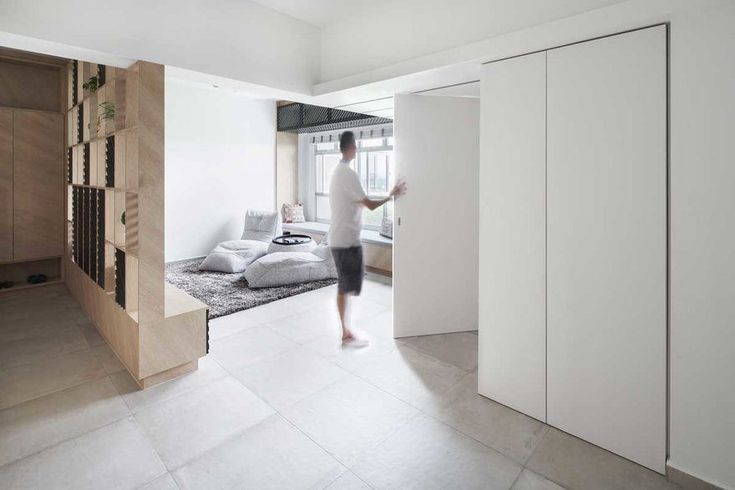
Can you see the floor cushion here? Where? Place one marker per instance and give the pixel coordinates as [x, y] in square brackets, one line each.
[261, 225]
[234, 255]
[281, 268]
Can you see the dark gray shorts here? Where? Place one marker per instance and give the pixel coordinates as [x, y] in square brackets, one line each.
[350, 269]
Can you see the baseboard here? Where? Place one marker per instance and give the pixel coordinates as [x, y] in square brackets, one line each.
[687, 481]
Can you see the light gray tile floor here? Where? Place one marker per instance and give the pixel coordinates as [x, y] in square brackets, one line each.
[278, 403]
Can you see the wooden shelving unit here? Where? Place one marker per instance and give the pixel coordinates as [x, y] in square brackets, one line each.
[115, 263]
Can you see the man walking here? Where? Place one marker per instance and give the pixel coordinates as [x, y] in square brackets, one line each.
[346, 200]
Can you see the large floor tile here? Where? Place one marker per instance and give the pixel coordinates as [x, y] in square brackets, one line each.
[117, 455]
[37, 424]
[380, 325]
[163, 482]
[577, 464]
[330, 347]
[273, 311]
[23, 383]
[39, 348]
[249, 347]
[323, 319]
[411, 376]
[289, 377]
[349, 417]
[273, 454]
[528, 480]
[348, 481]
[209, 372]
[109, 359]
[225, 326]
[185, 427]
[426, 454]
[308, 325]
[458, 349]
[495, 425]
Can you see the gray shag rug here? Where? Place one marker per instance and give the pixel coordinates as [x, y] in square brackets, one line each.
[227, 293]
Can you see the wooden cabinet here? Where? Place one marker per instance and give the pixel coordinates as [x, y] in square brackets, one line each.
[6, 185]
[31, 185]
[38, 172]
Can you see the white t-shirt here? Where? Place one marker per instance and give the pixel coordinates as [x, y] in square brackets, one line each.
[345, 194]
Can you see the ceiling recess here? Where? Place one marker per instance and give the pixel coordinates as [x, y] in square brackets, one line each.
[305, 118]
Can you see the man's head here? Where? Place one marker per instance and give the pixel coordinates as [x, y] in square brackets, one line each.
[347, 145]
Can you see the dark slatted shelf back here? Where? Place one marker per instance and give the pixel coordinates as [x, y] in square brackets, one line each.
[101, 75]
[74, 78]
[80, 123]
[120, 277]
[110, 161]
[75, 224]
[86, 164]
[101, 238]
[85, 230]
[69, 165]
[93, 234]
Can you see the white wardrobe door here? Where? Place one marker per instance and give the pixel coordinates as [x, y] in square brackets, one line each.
[512, 288]
[437, 151]
[606, 271]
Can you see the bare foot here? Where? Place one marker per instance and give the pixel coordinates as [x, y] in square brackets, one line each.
[351, 340]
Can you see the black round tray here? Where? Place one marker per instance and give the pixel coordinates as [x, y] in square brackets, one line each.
[291, 239]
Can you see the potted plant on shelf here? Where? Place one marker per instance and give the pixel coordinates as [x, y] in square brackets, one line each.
[108, 113]
[92, 84]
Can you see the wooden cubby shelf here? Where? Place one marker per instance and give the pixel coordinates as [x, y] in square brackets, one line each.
[115, 262]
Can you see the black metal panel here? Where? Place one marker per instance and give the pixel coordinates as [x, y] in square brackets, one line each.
[305, 118]
[110, 161]
[86, 164]
[120, 277]
[74, 78]
[80, 123]
[101, 237]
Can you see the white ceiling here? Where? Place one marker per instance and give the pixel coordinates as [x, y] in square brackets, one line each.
[320, 13]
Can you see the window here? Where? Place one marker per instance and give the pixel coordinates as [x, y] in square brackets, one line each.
[374, 165]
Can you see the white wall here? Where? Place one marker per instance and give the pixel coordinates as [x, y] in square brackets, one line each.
[233, 38]
[399, 31]
[702, 438]
[220, 161]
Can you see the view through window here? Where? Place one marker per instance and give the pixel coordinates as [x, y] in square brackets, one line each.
[374, 164]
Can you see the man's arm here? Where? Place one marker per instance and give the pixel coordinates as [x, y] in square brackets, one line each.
[398, 190]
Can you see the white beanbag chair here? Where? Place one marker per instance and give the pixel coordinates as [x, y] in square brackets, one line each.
[281, 268]
[234, 256]
[263, 226]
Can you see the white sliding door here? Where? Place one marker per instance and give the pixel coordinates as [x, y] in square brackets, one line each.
[512, 357]
[435, 238]
[606, 262]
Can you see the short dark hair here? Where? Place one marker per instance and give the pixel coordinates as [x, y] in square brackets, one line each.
[346, 139]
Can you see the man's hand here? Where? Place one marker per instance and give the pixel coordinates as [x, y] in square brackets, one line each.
[399, 189]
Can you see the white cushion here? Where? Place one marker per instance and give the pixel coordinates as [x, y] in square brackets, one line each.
[280, 268]
[261, 225]
[233, 256]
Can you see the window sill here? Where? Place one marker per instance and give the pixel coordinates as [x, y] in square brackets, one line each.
[366, 236]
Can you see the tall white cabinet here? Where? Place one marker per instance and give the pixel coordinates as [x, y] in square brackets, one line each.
[573, 248]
